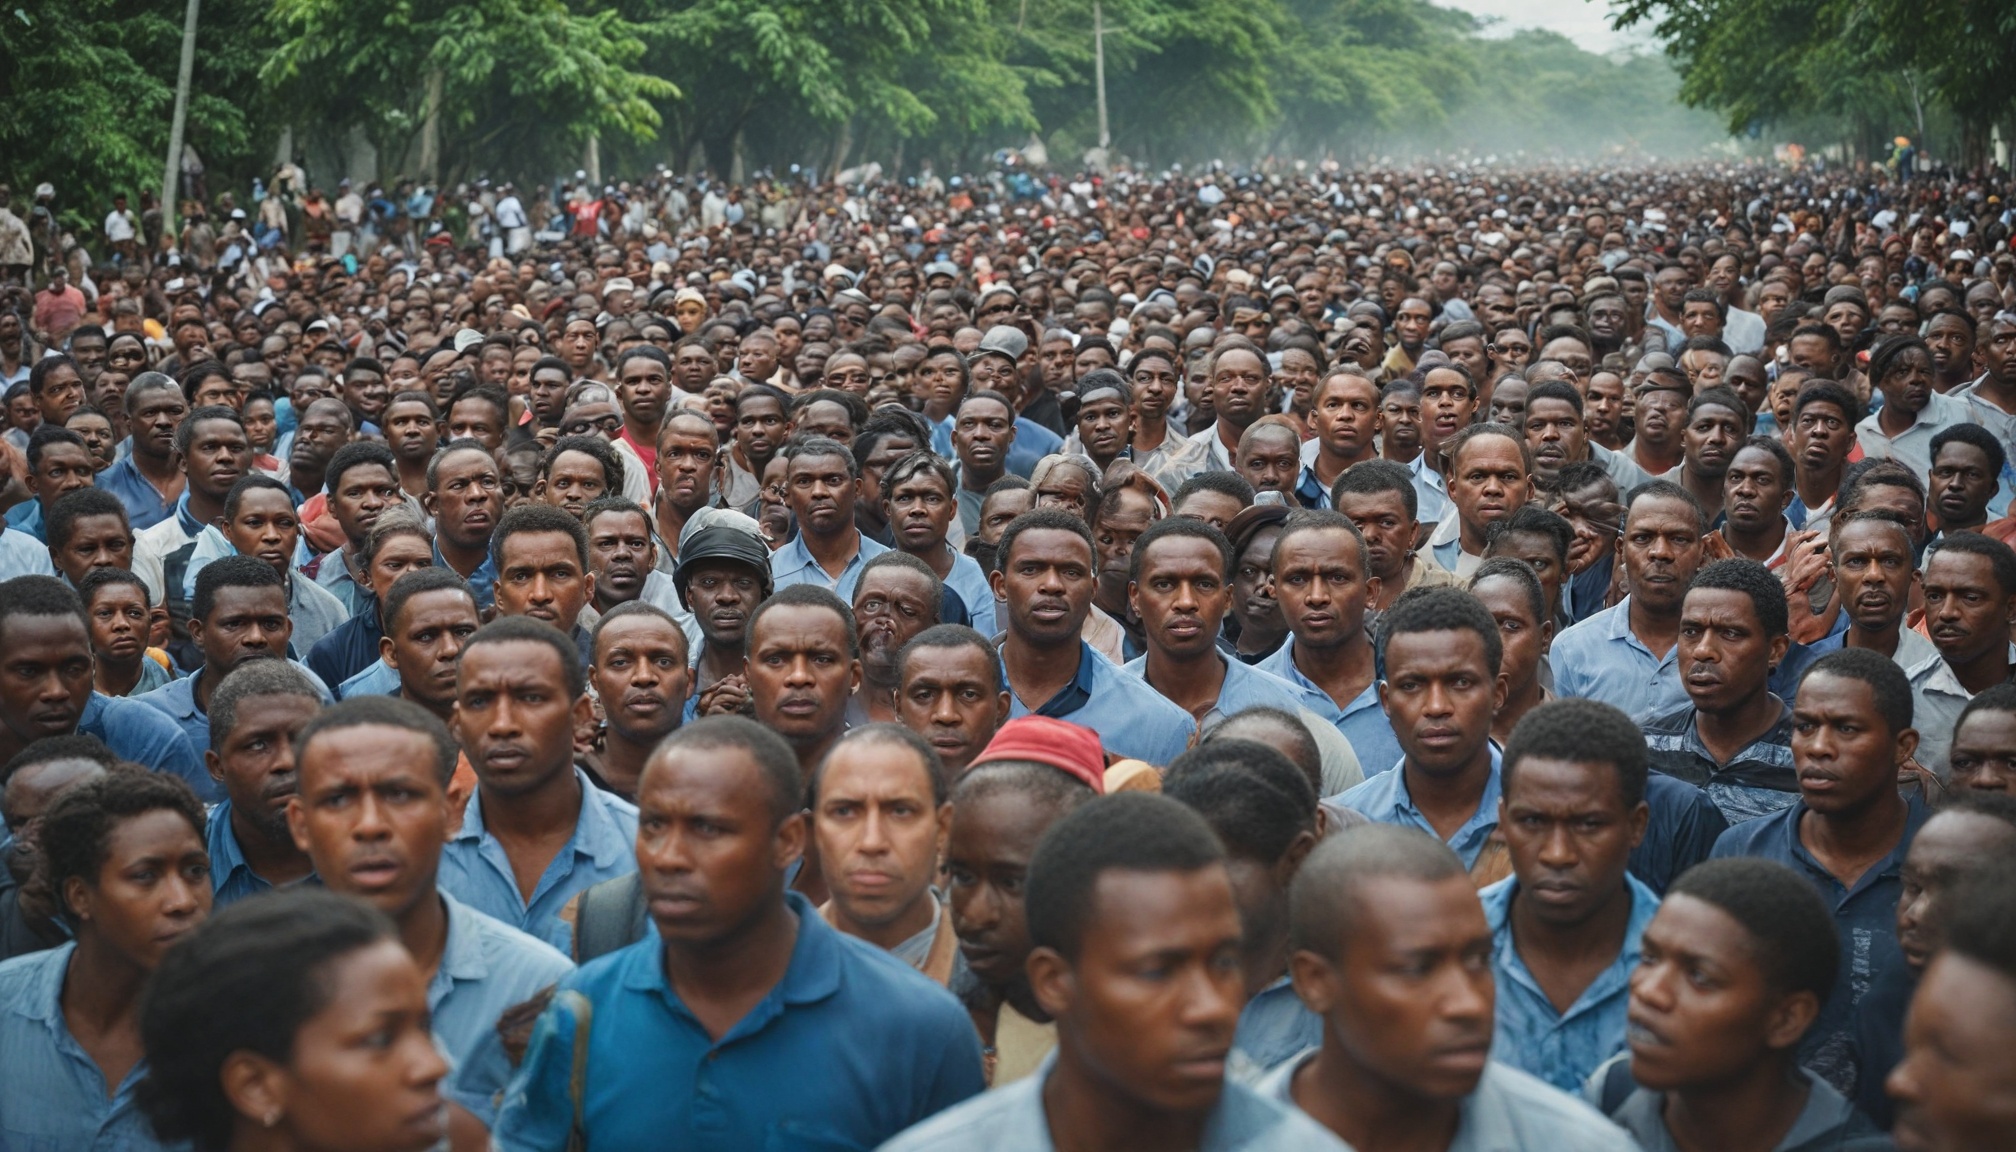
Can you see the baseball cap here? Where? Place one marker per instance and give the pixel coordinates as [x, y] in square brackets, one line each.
[1003, 341]
[1070, 748]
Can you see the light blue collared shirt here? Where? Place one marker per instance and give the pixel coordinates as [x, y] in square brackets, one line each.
[144, 505]
[1363, 722]
[177, 701]
[1132, 720]
[231, 877]
[482, 582]
[53, 1097]
[1385, 799]
[487, 967]
[475, 868]
[971, 584]
[1013, 1119]
[1246, 686]
[26, 517]
[23, 555]
[1275, 1026]
[1562, 1048]
[377, 679]
[1433, 498]
[793, 564]
[1602, 659]
[142, 734]
[1508, 1111]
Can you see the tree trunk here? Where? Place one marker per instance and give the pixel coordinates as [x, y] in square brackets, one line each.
[430, 127]
[841, 148]
[735, 165]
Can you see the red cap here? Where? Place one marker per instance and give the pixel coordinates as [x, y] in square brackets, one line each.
[1065, 746]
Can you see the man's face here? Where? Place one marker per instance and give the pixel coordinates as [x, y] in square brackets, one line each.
[1182, 596]
[984, 431]
[1536, 549]
[1446, 407]
[1957, 1079]
[1951, 339]
[1949, 847]
[1700, 318]
[891, 606]
[1873, 570]
[1998, 350]
[1411, 995]
[759, 428]
[425, 644]
[540, 574]
[1661, 544]
[1439, 693]
[120, 622]
[1983, 755]
[465, 499]
[1701, 1010]
[920, 511]
[1410, 324]
[643, 385]
[1554, 434]
[1662, 415]
[265, 526]
[1671, 286]
[371, 813]
[1726, 657]
[948, 695]
[1488, 482]
[475, 418]
[1104, 425]
[61, 469]
[1271, 460]
[62, 392]
[1822, 436]
[365, 392]
[1962, 483]
[513, 716]
[1815, 355]
[323, 429]
[1755, 491]
[1967, 614]
[1383, 520]
[710, 850]
[879, 831]
[244, 624]
[1908, 385]
[101, 541]
[1320, 582]
[1570, 835]
[219, 454]
[1239, 387]
[723, 595]
[45, 676]
[994, 835]
[801, 673]
[1844, 752]
[641, 675]
[360, 497]
[255, 763]
[1607, 320]
[822, 494]
[1047, 584]
[1400, 419]
[575, 481]
[1344, 415]
[621, 554]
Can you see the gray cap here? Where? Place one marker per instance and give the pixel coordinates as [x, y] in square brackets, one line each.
[941, 268]
[1004, 341]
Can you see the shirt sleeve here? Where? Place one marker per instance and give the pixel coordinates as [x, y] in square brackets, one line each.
[538, 1110]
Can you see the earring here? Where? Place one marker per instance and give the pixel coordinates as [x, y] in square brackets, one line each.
[271, 1118]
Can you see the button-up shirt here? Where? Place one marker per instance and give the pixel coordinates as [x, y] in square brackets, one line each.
[1431, 497]
[482, 582]
[487, 968]
[144, 505]
[333, 575]
[970, 583]
[1363, 722]
[1913, 446]
[1508, 1111]
[1013, 1119]
[476, 870]
[144, 736]
[1602, 659]
[1245, 687]
[350, 647]
[1865, 916]
[793, 564]
[1385, 799]
[376, 679]
[231, 876]
[1937, 696]
[1757, 780]
[54, 1097]
[1032, 442]
[177, 701]
[851, 1047]
[1275, 1026]
[23, 555]
[1682, 830]
[26, 517]
[1562, 1048]
[1132, 720]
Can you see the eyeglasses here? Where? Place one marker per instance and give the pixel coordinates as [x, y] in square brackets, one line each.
[608, 425]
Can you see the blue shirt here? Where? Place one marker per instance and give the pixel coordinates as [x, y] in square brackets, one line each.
[143, 735]
[1508, 1111]
[486, 969]
[1275, 1026]
[1385, 799]
[482, 582]
[851, 1047]
[1680, 831]
[1032, 442]
[1602, 659]
[1363, 721]
[231, 878]
[1757, 781]
[1562, 1048]
[970, 582]
[53, 1097]
[26, 517]
[144, 505]
[350, 647]
[1013, 1119]
[1865, 916]
[1132, 720]
[793, 564]
[1431, 498]
[603, 847]
[1246, 686]
[177, 701]
[23, 555]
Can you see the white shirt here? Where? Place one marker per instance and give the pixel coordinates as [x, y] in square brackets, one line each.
[118, 226]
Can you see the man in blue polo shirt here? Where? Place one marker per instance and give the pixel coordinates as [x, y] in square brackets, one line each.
[823, 480]
[744, 1021]
[1847, 833]
[255, 714]
[1573, 810]
[1180, 585]
[1627, 655]
[1441, 650]
[1322, 577]
[149, 480]
[1046, 578]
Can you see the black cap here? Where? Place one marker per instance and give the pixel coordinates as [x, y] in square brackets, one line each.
[721, 542]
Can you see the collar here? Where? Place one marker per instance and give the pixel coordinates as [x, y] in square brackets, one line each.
[596, 833]
[1077, 693]
[43, 998]
[813, 974]
[189, 523]
[226, 855]
[1773, 747]
[798, 556]
[1916, 812]
[462, 958]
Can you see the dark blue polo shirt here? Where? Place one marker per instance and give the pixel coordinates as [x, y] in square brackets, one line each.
[350, 647]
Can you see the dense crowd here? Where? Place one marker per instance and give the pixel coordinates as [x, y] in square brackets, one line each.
[1432, 659]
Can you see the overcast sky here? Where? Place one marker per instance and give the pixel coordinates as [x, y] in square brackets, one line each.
[1586, 22]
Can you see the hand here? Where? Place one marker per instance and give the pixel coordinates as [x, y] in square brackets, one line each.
[1806, 560]
[728, 696]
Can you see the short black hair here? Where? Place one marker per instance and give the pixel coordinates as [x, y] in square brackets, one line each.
[1372, 477]
[1721, 397]
[374, 711]
[1665, 490]
[616, 503]
[536, 518]
[185, 432]
[1973, 435]
[1130, 831]
[47, 596]
[1887, 682]
[231, 572]
[55, 750]
[887, 734]
[1321, 520]
[255, 482]
[78, 505]
[634, 608]
[1520, 573]
[808, 596]
[1555, 390]
[250, 680]
[1995, 698]
[1780, 456]
[1581, 732]
[2001, 559]
[895, 558]
[1826, 392]
[1180, 526]
[413, 582]
[1754, 580]
[465, 444]
[1792, 934]
[813, 447]
[1875, 472]
[1251, 795]
[953, 636]
[1322, 897]
[593, 447]
[1279, 729]
[1533, 520]
[246, 980]
[1040, 519]
[77, 830]
[526, 630]
[912, 464]
[1224, 483]
[98, 578]
[46, 434]
[1440, 610]
[357, 454]
[777, 762]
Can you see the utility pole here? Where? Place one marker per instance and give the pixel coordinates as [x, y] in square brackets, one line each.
[1098, 69]
[169, 183]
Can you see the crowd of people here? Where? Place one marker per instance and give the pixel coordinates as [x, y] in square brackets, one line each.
[1434, 659]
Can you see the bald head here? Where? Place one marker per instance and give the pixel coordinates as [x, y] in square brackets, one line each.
[1324, 901]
